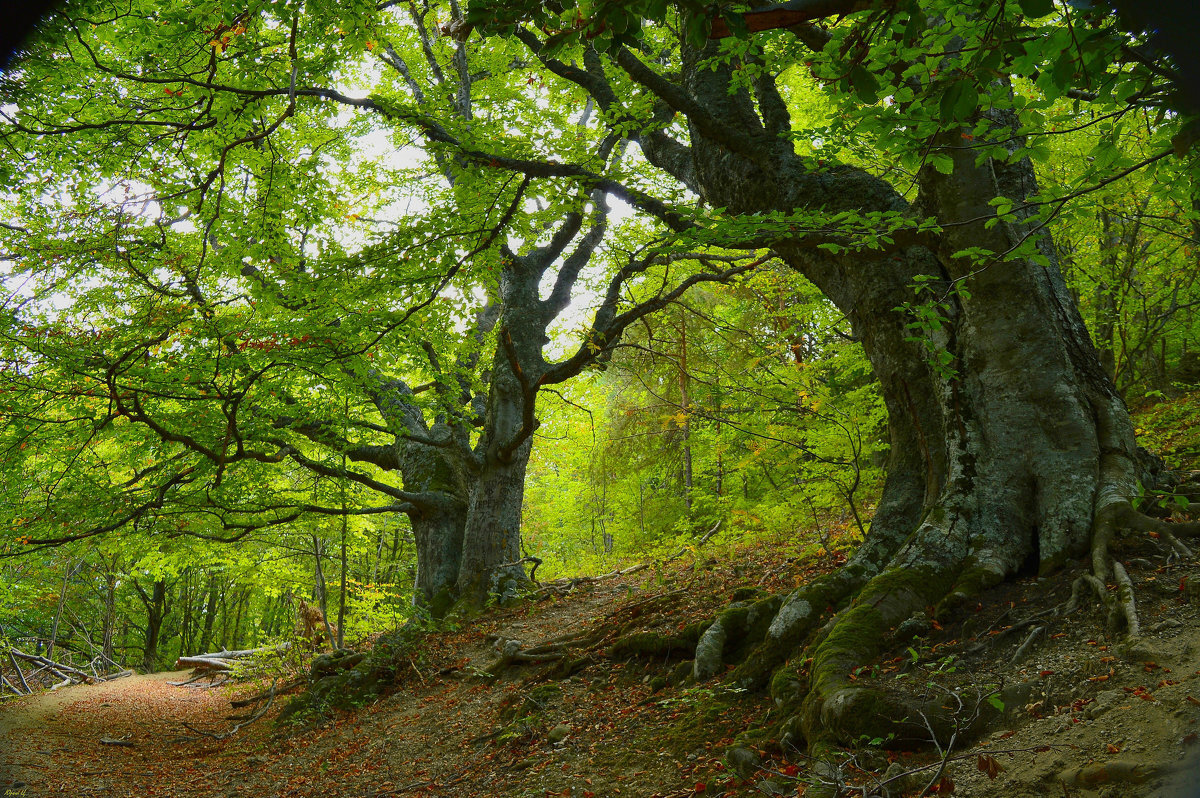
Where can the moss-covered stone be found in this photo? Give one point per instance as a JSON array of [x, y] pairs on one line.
[[681, 672], [787, 688], [746, 593]]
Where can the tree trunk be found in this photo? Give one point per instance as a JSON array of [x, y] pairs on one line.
[[492, 536], [210, 613], [1011, 451], [62, 597], [492, 529], [439, 536], [108, 625], [492, 533], [685, 411], [155, 614]]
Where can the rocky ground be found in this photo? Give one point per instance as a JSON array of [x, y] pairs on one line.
[[1084, 714]]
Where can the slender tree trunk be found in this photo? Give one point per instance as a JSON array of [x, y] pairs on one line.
[[1105, 298], [224, 619], [110, 615], [685, 410], [210, 614], [62, 597], [341, 617], [155, 614], [320, 587], [237, 618], [185, 624]]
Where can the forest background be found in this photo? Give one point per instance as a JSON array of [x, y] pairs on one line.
[[282, 284]]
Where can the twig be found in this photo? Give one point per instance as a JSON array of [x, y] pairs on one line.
[[121, 741], [698, 543], [416, 670], [20, 673], [232, 731], [1023, 649]]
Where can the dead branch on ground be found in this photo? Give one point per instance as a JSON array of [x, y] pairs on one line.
[[238, 726]]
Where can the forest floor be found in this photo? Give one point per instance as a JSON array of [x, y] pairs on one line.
[[1084, 715]]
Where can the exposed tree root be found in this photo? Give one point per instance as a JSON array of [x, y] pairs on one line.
[[831, 628], [561, 587], [576, 649]]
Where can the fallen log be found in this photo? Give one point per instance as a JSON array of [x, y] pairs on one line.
[[57, 668], [117, 675], [204, 663], [20, 673], [221, 660]]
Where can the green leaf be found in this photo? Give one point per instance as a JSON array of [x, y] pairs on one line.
[[865, 84], [1036, 9], [959, 101], [698, 28], [916, 26]]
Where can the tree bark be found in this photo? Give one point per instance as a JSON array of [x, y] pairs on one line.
[[210, 613], [156, 612], [492, 532], [1012, 453], [108, 625]]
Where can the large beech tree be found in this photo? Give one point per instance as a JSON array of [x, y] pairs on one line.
[[1011, 450], [914, 208], [218, 308]]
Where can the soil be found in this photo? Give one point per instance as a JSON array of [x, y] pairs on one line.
[[1085, 714]]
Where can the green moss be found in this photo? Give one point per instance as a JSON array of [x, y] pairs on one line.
[[901, 585], [971, 580], [734, 617], [854, 639], [787, 687], [746, 593], [693, 631], [536, 701], [441, 604], [682, 672], [656, 644]]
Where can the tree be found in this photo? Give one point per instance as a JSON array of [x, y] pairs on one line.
[[210, 340], [1010, 449]]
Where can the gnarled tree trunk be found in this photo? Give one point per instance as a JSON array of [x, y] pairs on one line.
[[1014, 453]]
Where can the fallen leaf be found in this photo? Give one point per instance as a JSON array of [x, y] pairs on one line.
[[988, 764]]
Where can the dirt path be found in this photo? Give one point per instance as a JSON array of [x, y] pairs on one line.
[[437, 734], [1084, 717], [50, 743]]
